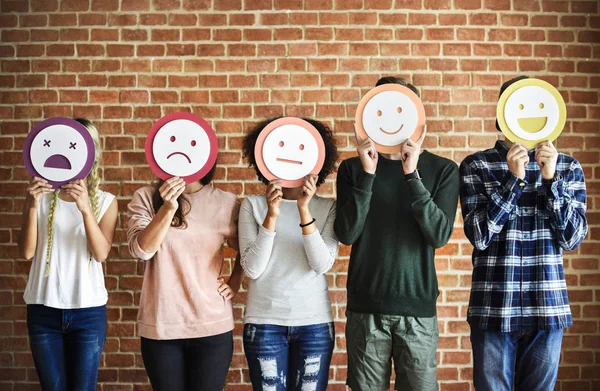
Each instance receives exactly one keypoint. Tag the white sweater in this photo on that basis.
(287, 284)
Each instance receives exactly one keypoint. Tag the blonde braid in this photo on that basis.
(93, 183)
(53, 202)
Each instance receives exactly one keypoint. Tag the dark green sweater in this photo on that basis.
(394, 227)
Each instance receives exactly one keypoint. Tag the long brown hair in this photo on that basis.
(184, 204)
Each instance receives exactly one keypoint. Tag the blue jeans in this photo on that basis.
(289, 358)
(66, 346)
(526, 359)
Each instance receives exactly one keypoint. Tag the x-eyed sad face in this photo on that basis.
(183, 145)
(531, 111)
(59, 150)
(289, 149)
(389, 115)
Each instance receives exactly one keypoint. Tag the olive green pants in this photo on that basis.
(374, 340)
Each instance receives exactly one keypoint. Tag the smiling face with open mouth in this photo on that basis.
(183, 145)
(289, 149)
(531, 111)
(59, 150)
(389, 115)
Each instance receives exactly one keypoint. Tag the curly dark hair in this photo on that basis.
(184, 204)
(397, 80)
(331, 153)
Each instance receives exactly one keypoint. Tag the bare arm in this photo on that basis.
(100, 235)
(28, 235)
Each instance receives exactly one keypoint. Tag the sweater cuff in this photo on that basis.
(365, 181)
(262, 231)
(513, 184)
(138, 252)
(418, 189)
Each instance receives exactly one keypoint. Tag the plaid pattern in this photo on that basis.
(519, 229)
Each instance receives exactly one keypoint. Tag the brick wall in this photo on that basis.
(124, 64)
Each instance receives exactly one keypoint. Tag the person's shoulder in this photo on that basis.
(255, 199)
(324, 202)
(352, 163)
(440, 161)
(105, 195)
(481, 157)
(145, 192)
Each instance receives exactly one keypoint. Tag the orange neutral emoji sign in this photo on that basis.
(289, 149)
(531, 111)
(389, 115)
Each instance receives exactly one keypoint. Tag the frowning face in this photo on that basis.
(531, 111)
(389, 115)
(59, 150)
(289, 149)
(181, 144)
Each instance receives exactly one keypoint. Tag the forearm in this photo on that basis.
(567, 213)
(352, 207)
(237, 274)
(152, 236)
(28, 234)
(306, 218)
(98, 244)
(435, 221)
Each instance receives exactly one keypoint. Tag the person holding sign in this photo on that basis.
(179, 227)
(67, 231)
(523, 203)
(396, 204)
(287, 244)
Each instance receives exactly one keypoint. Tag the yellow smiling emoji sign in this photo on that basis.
(531, 111)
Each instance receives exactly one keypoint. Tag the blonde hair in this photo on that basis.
(93, 183)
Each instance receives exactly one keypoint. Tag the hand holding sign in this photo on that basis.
(183, 145)
(59, 150)
(367, 151)
(389, 115)
(411, 151)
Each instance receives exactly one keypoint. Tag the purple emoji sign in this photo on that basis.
(59, 150)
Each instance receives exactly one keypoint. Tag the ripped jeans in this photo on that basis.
(289, 358)
(66, 346)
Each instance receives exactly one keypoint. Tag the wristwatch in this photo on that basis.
(556, 178)
(412, 176)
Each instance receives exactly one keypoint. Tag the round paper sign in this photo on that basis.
(389, 115)
(60, 150)
(289, 149)
(531, 111)
(183, 145)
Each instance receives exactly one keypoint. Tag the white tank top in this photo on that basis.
(74, 282)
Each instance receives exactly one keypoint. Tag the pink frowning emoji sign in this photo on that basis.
(59, 150)
(389, 115)
(183, 145)
(289, 149)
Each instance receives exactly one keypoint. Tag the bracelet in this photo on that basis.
(307, 224)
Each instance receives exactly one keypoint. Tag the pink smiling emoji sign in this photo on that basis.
(289, 149)
(389, 115)
(183, 145)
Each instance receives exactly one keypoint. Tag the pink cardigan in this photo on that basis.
(179, 294)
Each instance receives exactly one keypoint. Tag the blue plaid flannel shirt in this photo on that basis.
(519, 229)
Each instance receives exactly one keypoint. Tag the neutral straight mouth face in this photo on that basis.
(392, 133)
(279, 159)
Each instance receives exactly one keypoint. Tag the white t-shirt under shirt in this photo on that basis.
(287, 285)
(74, 282)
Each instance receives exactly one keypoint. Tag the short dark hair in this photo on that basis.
(397, 80)
(331, 153)
(504, 87)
